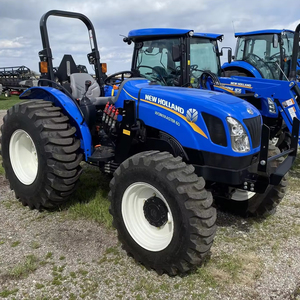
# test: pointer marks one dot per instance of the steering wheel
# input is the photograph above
(256, 59)
(159, 78)
(193, 67)
(203, 80)
(115, 78)
(275, 56)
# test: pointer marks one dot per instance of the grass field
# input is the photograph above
(6, 103)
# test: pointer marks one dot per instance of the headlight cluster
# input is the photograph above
(239, 138)
(272, 107)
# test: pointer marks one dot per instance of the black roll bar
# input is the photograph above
(46, 52)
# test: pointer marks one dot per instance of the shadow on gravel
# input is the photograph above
(227, 219)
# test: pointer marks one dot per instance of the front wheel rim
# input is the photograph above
(146, 235)
(23, 156)
(242, 195)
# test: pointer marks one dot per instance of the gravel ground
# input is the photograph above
(47, 255)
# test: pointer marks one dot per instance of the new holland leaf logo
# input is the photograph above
(192, 115)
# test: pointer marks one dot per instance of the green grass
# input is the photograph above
(90, 200)
(24, 269)
(5, 293)
(15, 244)
(6, 103)
(49, 255)
(2, 172)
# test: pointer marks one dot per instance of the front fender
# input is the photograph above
(69, 108)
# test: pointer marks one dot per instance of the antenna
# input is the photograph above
(281, 71)
(233, 26)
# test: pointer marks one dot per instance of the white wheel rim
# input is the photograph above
(242, 195)
(146, 235)
(23, 156)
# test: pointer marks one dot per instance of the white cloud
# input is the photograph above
(11, 44)
(111, 18)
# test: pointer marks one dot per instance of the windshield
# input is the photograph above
(154, 61)
(203, 58)
(259, 51)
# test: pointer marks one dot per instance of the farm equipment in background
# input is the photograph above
(266, 54)
(15, 80)
(194, 61)
(170, 150)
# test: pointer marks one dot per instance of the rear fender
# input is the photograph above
(69, 108)
(242, 65)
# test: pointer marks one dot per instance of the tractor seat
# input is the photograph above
(77, 82)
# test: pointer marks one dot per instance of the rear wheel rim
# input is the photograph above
(152, 238)
(23, 156)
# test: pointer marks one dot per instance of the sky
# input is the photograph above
(20, 39)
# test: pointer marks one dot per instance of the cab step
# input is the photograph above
(102, 154)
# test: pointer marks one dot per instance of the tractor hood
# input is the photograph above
(181, 99)
(193, 116)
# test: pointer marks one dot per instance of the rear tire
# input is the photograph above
(229, 73)
(162, 212)
(40, 154)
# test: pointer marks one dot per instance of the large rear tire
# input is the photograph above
(162, 212)
(40, 154)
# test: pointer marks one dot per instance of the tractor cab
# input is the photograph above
(266, 54)
(268, 51)
(174, 57)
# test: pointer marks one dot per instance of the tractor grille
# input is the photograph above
(216, 129)
(254, 127)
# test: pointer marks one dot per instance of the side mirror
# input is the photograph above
(275, 40)
(229, 53)
(176, 53)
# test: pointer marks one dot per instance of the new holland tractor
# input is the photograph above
(193, 60)
(266, 54)
(170, 150)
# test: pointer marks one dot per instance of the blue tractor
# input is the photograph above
(194, 61)
(266, 54)
(170, 150)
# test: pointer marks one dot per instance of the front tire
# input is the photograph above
(162, 212)
(40, 154)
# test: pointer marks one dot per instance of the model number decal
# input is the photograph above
(165, 103)
(167, 118)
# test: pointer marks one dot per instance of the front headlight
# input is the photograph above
(239, 138)
(272, 107)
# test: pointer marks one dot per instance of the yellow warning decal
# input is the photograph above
(127, 132)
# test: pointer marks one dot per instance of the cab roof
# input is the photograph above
(213, 36)
(266, 31)
(156, 32)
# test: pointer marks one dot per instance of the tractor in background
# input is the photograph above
(266, 54)
(170, 150)
(15, 80)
